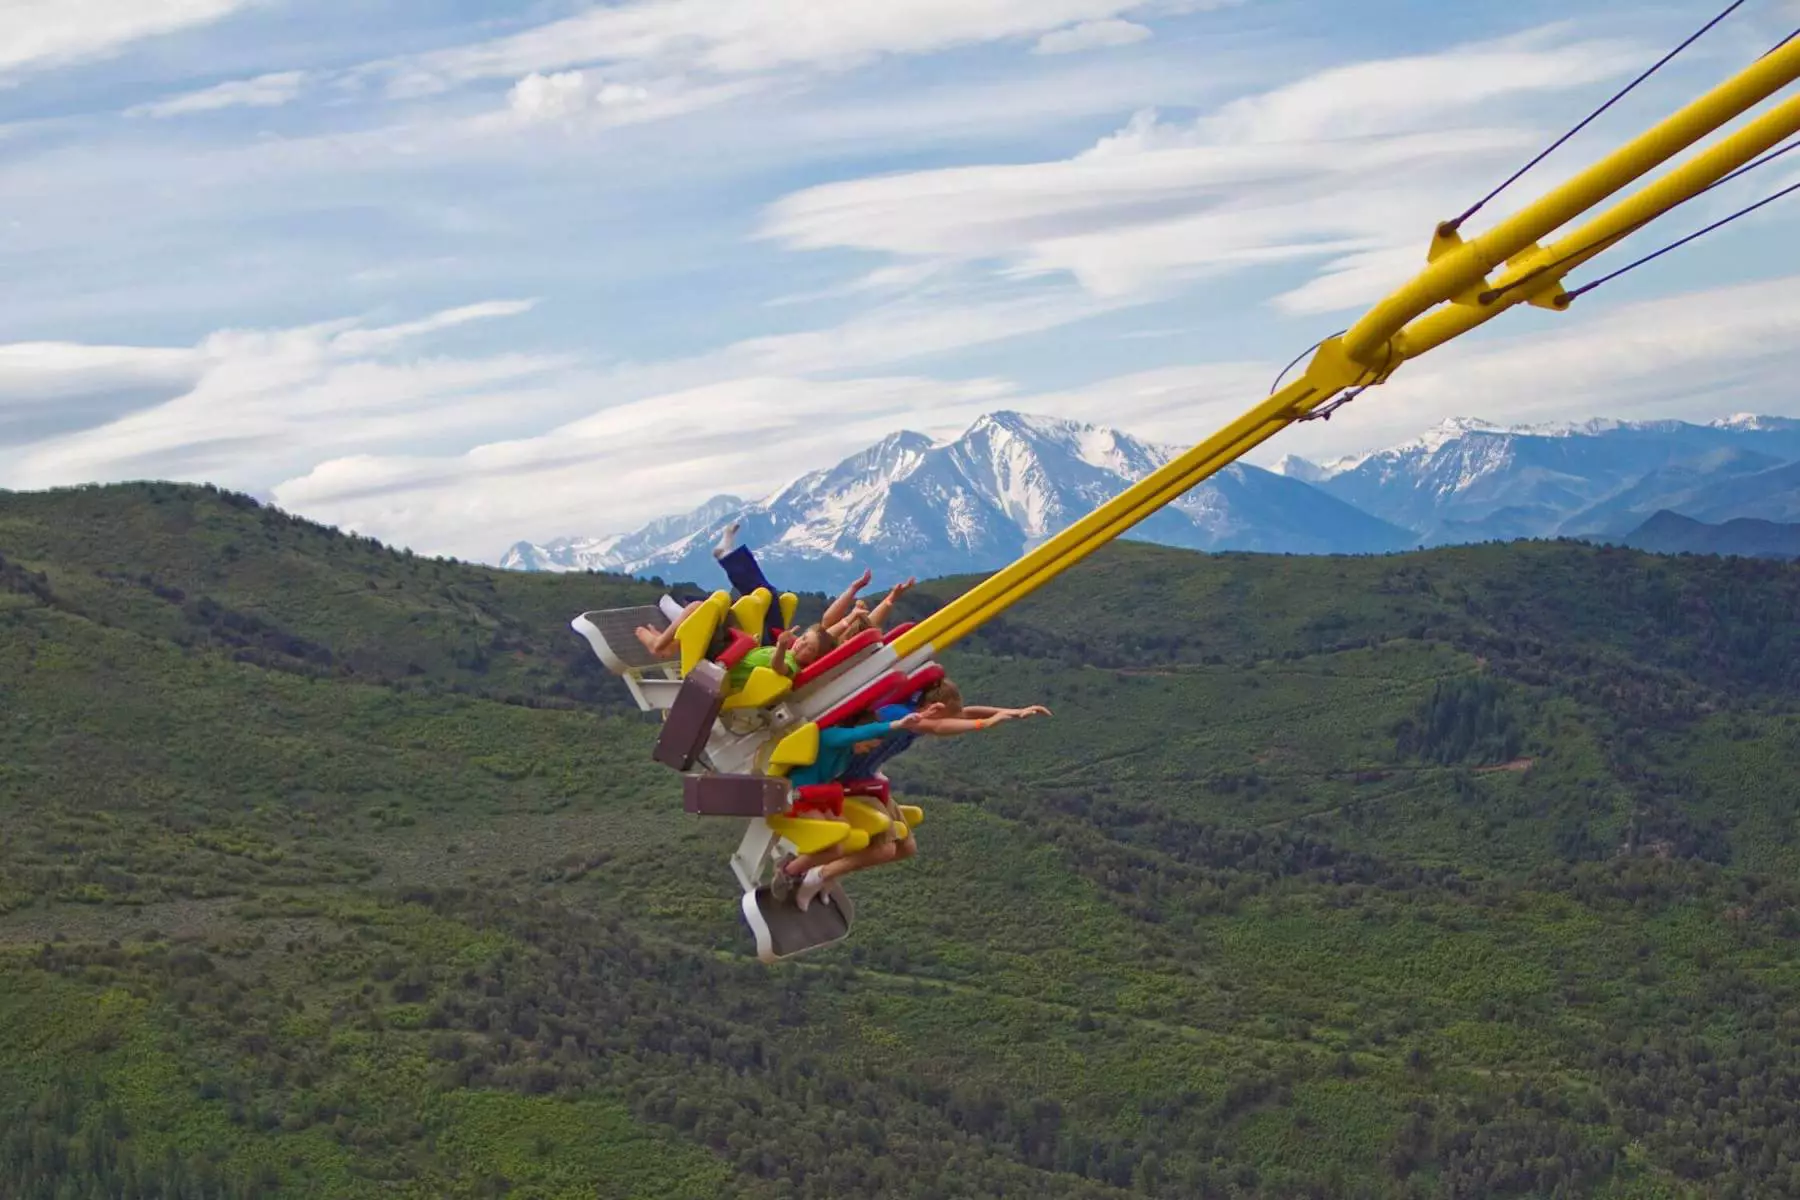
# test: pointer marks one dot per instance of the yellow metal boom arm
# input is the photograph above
(1451, 296)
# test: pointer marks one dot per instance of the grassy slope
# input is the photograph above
(1311, 887)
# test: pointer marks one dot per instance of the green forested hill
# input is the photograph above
(330, 871)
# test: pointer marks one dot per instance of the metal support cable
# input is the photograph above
(1452, 226)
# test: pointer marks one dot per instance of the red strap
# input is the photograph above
(912, 684)
(838, 657)
(864, 701)
(741, 644)
(899, 631)
(818, 797)
(876, 788)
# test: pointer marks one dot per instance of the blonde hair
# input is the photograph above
(945, 693)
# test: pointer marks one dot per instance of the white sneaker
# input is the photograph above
(727, 540)
(810, 887)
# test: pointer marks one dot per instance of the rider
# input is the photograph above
(939, 712)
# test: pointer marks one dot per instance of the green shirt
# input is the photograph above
(762, 656)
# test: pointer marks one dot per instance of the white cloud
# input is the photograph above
(1347, 167)
(33, 372)
(36, 34)
(365, 341)
(731, 37)
(625, 464)
(256, 405)
(546, 97)
(47, 388)
(249, 409)
(265, 91)
(917, 327)
(1090, 35)
(570, 96)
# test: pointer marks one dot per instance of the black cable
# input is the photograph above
(1568, 299)
(1778, 45)
(1537, 273)
(1274, 387)
(1450, 227)
(1324, 411)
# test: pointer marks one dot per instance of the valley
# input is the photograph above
(327, 869)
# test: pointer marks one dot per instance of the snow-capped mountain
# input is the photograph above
(912, 506)
(909, 505)
(604, 553)
(1468, 480)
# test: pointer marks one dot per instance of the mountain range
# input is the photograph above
(913, 505)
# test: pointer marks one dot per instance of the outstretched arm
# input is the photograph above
(839, 736)
(982, 712)
(970, 723)
(840, 608)
(885, 609)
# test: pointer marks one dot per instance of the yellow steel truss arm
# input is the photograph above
(1451, 296)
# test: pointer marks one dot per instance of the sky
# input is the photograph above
(457, 274)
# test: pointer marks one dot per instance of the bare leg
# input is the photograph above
(662, 643)
(800, 865)
(816, 880)
(874, 856)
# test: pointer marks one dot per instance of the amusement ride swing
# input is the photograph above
(735, 749)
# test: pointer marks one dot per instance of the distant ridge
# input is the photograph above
(1671, 533)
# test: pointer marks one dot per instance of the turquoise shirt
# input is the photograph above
(835, 752)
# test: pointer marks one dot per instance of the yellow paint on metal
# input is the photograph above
(764, 687)
(866, 817)
(798, 749)
(750, 612)
(696, 633)
(811, 835)
(1403, 326)
(1468, 264)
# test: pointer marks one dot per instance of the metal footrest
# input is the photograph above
(782, 930)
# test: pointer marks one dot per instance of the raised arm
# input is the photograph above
(885, 609)
(840, 608)
(781, 663)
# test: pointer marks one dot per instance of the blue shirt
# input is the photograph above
(864, 766)
(835, 754)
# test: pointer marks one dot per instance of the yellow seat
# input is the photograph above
(912, 814)
(867, 817)
(790, 605)
(696, 633)
(765, 686)
(798, 749)
(751, 611)
(813, 834)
